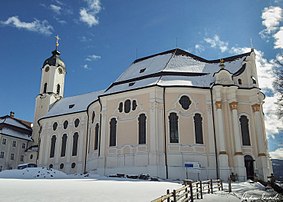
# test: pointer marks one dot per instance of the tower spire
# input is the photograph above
(57, 42)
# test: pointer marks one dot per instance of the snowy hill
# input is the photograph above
(41, 184)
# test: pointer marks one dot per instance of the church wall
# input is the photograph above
(187, 150)
(68, 159)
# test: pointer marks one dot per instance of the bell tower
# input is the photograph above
(53, 73)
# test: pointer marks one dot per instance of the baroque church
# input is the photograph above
(165, 112)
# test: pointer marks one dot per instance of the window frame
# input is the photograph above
(173, 128)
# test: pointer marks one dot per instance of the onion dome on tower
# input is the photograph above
(55, 59)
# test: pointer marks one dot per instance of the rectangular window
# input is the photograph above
(12, 156)
(1, 154)
(4, 141)
(22, 158)
(23, 146)
(14, 143)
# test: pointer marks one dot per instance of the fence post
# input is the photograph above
(211, 186)
(229, 185)
(168, 192)
(174, 195)
(221, 184)
(186, 191)
(200, 183)
(197, 190)
(191, 190)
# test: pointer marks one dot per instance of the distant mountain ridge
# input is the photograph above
(278, 168)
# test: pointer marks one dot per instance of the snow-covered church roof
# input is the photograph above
(171, 68)
(73, 104)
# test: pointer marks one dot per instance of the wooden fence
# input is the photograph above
(191, 190)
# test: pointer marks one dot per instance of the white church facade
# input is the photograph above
(163, 111)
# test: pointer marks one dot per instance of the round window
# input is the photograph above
(47, 69)
(185, 102)
(51, 166)
(61, 165)
(60, 71)
(73, 165)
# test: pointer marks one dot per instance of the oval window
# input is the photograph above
(77, 122)
(127, 106)
(65, 124)
(73, 165)
(47, 69)
(60, 71)
(55, 125)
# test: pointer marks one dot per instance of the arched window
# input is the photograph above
(127, 106)
(45, 88)
(244, 121)
(173, 125)
(113, 126)
(142, 129)
(58, 88)
(96, 136)
(52, 149)
(75, 144)
(64, 143)
(198, 129)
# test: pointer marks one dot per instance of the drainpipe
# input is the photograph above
(165, 135)
(215, 144)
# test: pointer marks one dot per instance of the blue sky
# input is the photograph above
(100, 38)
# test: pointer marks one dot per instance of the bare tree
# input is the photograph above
(278, 85)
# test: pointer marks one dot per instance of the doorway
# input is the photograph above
(249, 164)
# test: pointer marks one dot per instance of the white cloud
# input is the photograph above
(277, 154)
(56, 9)
(271, 18)
(278, 39)
(215, 42)
(88, 18)
(88, 15)
(93, 58)
(86, 67)
(42, 27)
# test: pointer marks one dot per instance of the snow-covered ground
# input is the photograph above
(41, 184)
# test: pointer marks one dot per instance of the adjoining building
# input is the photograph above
(165, 111)
(15, 134)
